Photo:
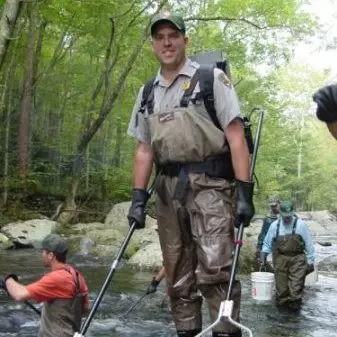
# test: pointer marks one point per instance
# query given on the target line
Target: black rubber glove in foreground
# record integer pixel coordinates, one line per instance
(326, 99)
(137, 210)
(244, 202)
(152, 288)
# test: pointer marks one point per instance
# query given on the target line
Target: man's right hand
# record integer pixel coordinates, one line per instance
(137, 210)
(152, 288)
(263, 258)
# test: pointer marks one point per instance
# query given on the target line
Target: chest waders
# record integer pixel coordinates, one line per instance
(62, 317)
(185, 142)
(226, 306)
(290, 265)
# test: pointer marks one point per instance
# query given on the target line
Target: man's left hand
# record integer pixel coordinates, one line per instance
(244, 202)
(2, 283)
(310, 269)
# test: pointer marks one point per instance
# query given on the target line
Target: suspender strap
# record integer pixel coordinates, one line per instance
(74, 274)
(147, 97)
(277, 229)
(294, 226)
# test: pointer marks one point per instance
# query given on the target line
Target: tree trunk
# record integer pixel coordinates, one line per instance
(27, 95)
(10, 14)
(118, 145)
(109, 98)
(6, 107)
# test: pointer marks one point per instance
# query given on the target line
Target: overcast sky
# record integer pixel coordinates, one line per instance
(316, 52)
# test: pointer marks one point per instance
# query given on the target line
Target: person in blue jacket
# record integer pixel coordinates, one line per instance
(290, 242)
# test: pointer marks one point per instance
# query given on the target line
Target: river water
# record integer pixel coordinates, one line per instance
(151, 317)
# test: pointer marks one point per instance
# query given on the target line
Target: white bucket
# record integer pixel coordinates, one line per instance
(262, 286)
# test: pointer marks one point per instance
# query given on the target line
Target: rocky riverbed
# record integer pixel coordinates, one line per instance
(143, 252)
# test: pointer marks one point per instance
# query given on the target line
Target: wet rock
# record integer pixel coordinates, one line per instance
(328, 264)
(147, 258)
(324, 244)
(27, 234)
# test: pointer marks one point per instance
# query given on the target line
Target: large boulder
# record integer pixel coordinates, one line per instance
(320, 222)
(27, 234)
(329, 264)
(147, 258)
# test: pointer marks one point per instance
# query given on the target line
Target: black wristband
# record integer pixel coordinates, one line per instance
(154, 282)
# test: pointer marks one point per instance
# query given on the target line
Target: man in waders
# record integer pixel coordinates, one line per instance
(274, 204)
(203, 188)
(290, 242)
(326, 99)
(63, 291)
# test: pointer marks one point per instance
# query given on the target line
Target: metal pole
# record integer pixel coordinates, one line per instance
(226, 306)
(113, 268)
(240, 230)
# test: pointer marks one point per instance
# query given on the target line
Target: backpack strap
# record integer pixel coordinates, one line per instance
(205, 76)
(147, 97)
(206, 83)
(189, 91)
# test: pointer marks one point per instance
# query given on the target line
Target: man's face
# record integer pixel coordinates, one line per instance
(169, 45)
(47, 258)
(333, 128)
(287, 219)
(275, 208)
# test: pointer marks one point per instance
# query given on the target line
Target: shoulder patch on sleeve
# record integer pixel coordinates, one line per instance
(222, 77)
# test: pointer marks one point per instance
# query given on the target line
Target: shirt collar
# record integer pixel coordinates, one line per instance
(188, 69)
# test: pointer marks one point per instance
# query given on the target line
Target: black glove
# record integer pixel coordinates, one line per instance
(257, 255)
(137, 210)
(326, 99)
(152, 288)
(263, 258)
(3, 280)
(310, 269)
(244, 202)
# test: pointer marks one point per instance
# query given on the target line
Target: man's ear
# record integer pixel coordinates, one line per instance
(186, 40)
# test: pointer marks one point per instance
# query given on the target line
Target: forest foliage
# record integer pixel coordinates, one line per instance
(70, 72)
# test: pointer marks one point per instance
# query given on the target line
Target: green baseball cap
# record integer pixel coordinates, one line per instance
(175, 19)
(287, 208)
(55, 244)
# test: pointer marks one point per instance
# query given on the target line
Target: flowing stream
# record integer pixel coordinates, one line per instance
(151, 317)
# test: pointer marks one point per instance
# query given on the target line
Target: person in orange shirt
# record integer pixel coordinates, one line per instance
(63, 290)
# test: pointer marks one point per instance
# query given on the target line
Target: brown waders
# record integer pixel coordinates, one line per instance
(62, 317)
(290, 265)
(196, 239)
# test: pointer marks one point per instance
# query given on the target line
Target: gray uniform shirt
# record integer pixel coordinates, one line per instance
(168, 95)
